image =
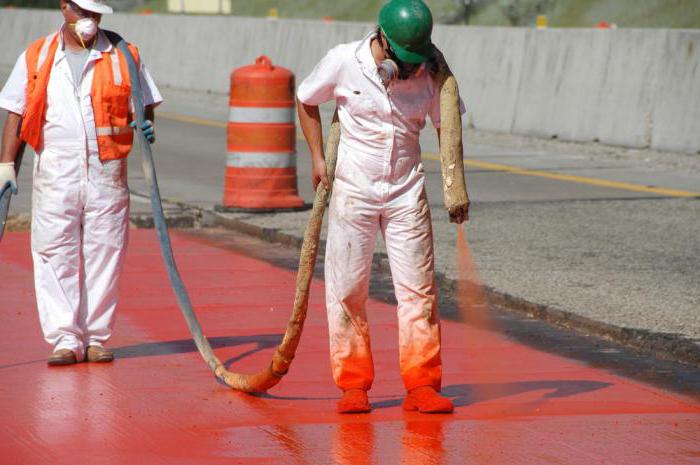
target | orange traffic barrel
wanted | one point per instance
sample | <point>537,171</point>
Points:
<point>261,173</point>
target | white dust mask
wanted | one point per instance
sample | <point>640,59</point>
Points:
<point>86,29</point>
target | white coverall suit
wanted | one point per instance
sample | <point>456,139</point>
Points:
<point>80,207</point>
<point>379,186</point>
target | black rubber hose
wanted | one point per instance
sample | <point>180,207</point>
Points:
<point>149,171</point>
<point>270,375</point>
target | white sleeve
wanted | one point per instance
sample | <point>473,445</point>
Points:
<point>435,108</point>
<point>13,96</point>
<point>319,86</point>
<point>151,94</point>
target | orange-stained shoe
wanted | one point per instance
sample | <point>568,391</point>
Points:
<point>425,399</point>
<point>354,401</point>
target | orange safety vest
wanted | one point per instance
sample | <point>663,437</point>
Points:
<point>111,97</point>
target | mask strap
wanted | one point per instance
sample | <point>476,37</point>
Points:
<point>80,37</point>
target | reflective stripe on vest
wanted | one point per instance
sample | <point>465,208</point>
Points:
<point>112,131</point>
<point>45,49</point>
<point>116,69</point>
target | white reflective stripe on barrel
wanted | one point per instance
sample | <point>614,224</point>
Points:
<point>261,160</point>
<point>261,115</point>
<point>116,69</point>
<point>112,131</point>
<point>45,50</point>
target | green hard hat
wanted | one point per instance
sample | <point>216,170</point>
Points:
<point>407,25</point>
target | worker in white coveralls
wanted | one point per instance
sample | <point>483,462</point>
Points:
<point>383,87</point>
<point>68,98</point>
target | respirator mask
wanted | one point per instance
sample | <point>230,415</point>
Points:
<point>393,68</point>
<point>85,29</point>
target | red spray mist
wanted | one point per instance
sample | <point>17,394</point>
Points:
<point>471,298</point>
<point>486,383</point>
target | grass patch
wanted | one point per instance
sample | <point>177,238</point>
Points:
<point>624,13</point>
<point>566,13</point>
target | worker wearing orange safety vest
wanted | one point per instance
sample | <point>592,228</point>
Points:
<point>68,97</point>
<point>384,90</point>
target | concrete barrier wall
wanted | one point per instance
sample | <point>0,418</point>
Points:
<point>632,87</point>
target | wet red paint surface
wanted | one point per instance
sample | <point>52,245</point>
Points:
<point>158,403</point>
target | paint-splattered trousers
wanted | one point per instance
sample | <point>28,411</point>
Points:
<point>371,194</point>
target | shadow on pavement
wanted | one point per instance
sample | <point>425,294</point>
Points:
<point>182,346</point>
<point>468,394</point>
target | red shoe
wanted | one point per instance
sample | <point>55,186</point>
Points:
<point>425,399</point>
<point>354,401</point>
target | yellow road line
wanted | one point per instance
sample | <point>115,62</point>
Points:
<point>199,121</point>
<point>571,178</point>
<point>191,120</point>
<point>492,166</point>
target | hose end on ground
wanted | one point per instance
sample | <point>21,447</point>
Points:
<point>257,383</point>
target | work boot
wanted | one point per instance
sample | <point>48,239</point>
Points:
<point>426,399</point>
<point>98,354</point>
<point>62,357</point>
<point>354,401</point>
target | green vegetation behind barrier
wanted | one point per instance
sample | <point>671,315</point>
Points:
<point>561,13</point>
<point>564,13</point>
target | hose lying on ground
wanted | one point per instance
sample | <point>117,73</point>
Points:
<point>282,358</point>
<point>455,199</point>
